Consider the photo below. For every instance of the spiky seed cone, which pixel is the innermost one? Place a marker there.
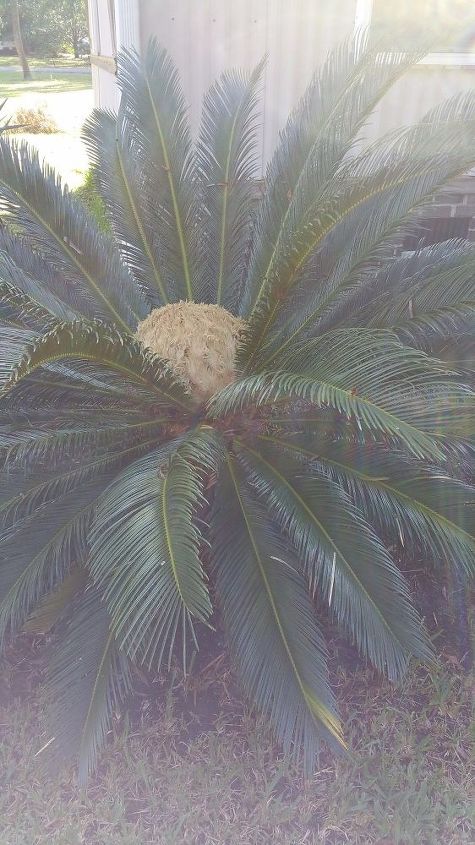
(199, 341)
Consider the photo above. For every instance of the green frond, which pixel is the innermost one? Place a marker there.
(56, 395)
(24, 446)
(52, 607)
(342, 557)
(443, 271)
(154, 108)
(436, 301)
(419, 505)
(270, 621)
(88, 680)
(14, 340)
(26, 490)
(28, 270)
(25, 301)
(36, 557)
(16, 246)
(226, 163)
(107, 348)
(386, 292)
(430, 330)
(404, 381)
(318, 135)
(145, 546)
(82, 383)
(47, 501)
(134, 218)
(414, 420)
(58, 225)
(21, 315)
(372, 198)
(459, 352)
(345, 434)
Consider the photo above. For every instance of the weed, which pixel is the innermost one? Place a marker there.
(35, 121)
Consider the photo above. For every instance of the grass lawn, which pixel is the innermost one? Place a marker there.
(168, 777)
(65, 96)
(59, 61)
(43, 82)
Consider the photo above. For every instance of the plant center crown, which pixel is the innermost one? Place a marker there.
(199, 342)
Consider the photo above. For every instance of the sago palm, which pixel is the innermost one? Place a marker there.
(235, 409)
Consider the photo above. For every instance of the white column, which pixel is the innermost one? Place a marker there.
(127, 24)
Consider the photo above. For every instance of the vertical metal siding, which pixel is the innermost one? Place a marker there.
(207, 36)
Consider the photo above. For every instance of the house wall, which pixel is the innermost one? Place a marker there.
(417, 91)
(207, 36)
(103, 46)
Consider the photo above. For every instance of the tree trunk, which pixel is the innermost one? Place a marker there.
(75, 42)
(17, 37)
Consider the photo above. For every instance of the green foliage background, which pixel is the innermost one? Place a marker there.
(48, 26)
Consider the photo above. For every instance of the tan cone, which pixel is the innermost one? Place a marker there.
(199, 341)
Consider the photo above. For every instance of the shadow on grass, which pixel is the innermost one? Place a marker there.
(12, 84)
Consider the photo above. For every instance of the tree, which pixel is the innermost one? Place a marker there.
(229, 406)
(75, 23)
(18, 39)
(48, 26)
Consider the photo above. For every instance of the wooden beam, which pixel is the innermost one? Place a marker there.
(108, 63)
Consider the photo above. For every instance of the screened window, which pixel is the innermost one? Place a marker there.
(450, 22)
(453, 21)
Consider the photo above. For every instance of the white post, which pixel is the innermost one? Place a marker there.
(127, 24)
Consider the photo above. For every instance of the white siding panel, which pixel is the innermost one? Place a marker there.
(102, 44)
(106, 92)
(207, 36)
(127, 26)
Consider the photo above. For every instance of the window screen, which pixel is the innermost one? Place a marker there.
(453, 21)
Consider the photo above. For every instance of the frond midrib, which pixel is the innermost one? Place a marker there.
(138, 223)
(324, 715)
(380, 482)
(329, 539)
(222, 246)
(105, 654)
(70, 253)
(171, 184)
